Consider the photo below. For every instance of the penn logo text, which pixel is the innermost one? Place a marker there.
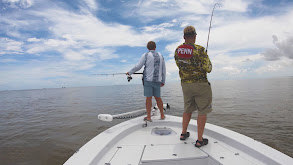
(185, 51)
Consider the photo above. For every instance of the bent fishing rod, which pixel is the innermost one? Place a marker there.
(211, 25)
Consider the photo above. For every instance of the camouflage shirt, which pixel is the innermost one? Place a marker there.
(193, 63)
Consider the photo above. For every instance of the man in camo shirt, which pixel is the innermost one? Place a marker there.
(194, 64)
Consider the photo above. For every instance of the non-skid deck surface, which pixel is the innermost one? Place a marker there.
(147, 148)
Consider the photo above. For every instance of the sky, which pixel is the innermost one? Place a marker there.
(64, 43)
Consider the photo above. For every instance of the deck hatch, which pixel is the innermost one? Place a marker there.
(163, 131)
(125, 155)
(173, 154)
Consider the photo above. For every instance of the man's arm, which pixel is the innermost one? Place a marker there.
(206, 64)
(139, 65)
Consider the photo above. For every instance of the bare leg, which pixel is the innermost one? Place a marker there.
(201, 121)
(148, 105)
(160, 105)
(185, 122)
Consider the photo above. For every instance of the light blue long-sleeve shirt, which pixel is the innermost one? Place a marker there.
(155, 69)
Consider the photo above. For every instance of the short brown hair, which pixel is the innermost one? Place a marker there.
(151, 45)
(189, 31)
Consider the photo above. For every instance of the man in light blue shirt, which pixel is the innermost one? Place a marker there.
(154, 76)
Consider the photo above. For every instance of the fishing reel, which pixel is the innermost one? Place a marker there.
(129, 78)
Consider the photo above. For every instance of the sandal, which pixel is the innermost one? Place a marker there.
(146, 119)
(201, 143)
(184, 136)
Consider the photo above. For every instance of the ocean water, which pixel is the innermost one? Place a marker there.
(46, 126)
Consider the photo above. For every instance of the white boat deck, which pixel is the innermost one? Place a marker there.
(129, 143)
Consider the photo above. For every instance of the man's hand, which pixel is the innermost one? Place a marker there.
(162, 84)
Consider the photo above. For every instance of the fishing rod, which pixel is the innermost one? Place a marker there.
(107, 74)
(129, 77)
(211, 25)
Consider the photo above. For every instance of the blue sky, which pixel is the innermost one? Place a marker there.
(55, 43)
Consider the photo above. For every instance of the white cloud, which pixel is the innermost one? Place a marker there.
(89, 30)
(284, 65)
(232, 70)
(33, 39)
(231, 40)
(282, 48)
(91, 4)
(31, 75)
(42, 45)
(172, 47)
(159, 27)
(81, 41)
(88, 6)
(9, 46)
(184, 24)
(18, 3)
(154, 9)
(171, 66)
(35, 49)
(230, 31)
(137, 6)
(246, 34)
(226, 66)
(75, 56)
(235, 5)
(58, 43)
(229, 59)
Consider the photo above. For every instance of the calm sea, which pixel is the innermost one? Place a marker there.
(47, 126)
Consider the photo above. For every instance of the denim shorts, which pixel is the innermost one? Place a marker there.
(152, 89)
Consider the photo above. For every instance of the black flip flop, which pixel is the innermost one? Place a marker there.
(184, 136)
(201, 143)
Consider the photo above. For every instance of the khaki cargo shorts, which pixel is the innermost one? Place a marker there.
(197, 96)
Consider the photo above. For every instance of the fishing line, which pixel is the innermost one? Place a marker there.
(216, 4)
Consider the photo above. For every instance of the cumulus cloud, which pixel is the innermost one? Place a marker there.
(18, 3)
(88, 30)
(155, 9)
(68, 37)
(88, 6)
(283, 65)
(37, 46)
(235, 5)
(137, 6)
(9, 46)
(159, 27)
(71, 34)
(33, 39)
(282, 48)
